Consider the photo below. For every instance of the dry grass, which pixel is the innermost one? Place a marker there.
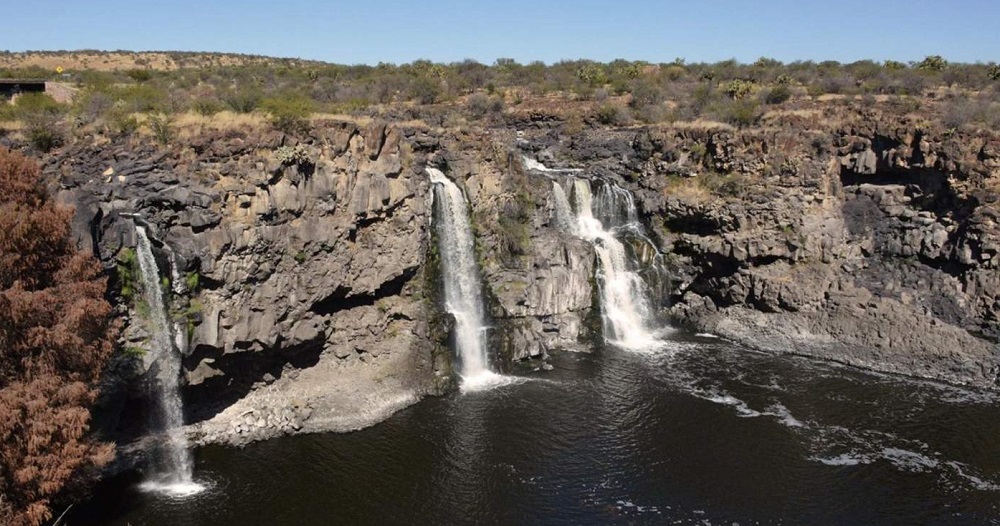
(698, 124)
(191, 124)
(340, 117)
(687, 189)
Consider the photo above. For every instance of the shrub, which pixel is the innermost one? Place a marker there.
(425, 90)
(139, 75)
(162, 127)
(611, 114)
(207, 106)
(477, 104)
(56, 335)
(778, 94)
(142, 98)
(44, 137)
(121, 122)
(31, 104)
(289, 114)
(40, 115)
(242, 100)
(742, 112)
(645, 93)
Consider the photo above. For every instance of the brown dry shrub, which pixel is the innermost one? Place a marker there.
(56, 335)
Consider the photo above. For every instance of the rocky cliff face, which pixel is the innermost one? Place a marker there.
(299, 266)
(871, 240)
(303, 270)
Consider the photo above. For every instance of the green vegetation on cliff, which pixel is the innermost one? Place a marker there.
(147, 91)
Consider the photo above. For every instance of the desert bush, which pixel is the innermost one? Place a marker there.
(477, 104)
(142, 98)
(139, 75)
(40, 115)
(645, 92)
(122, 122)
(778, 94)
(243, 100)
(207, 106)
(162, 127)
(43, 136)
(30, 104)
(425, 90)
(289, 114)
(611, 114)
(92, 105)
(739, 112)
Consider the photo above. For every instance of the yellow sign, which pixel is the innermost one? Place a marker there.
(59, 69)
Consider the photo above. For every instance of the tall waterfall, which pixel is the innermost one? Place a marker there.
(176, 466)
(626, 310)
(462, 284)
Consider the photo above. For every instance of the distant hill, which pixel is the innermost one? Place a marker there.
(128, 60)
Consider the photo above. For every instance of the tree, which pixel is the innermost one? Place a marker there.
(56, 336)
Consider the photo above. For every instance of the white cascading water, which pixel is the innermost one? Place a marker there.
(565, 220)
(626, 310)
(176, 469)
(535, 166)
(462, 284)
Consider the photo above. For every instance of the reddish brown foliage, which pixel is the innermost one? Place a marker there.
(55, 337)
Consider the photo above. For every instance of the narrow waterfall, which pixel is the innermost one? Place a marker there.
(563, 211)
(462, 284)
(626, 310)
(176, 465)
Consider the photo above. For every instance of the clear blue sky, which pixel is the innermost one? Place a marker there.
(400, 31)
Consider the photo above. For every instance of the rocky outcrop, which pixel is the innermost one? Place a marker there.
(299, 268)
(538, 276)
(304, 269)
(872, 242)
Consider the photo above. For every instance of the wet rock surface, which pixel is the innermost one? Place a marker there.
(870, 241)
(311, 299)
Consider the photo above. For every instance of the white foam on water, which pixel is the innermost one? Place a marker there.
(977, 482)
(783, 415)
(907, 460)
(845, 459)
(173, 489)
(741, 407)
(487, 380)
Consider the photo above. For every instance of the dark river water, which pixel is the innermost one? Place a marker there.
(701, 432)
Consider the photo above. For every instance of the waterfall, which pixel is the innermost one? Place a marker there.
(627, 312)
(176, 465)
(563, 211)
(462, 284)
(533, 165)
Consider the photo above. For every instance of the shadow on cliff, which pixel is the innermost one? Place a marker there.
(234, 375)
